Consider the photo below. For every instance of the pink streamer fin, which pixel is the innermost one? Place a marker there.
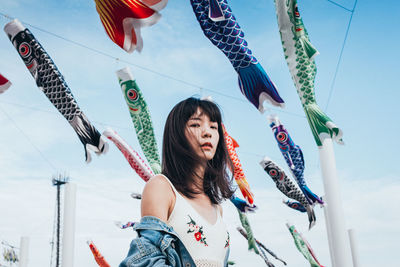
(133, 158)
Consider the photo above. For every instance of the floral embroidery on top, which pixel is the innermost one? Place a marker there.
(197, 230)
(227, 240)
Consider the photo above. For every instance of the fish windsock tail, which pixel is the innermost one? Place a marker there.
(215, 12)
(89, 136)
(4, 84)
(308, 48)
(321, 125)
(245, 189)
(247, 194)
(311, 216)
(122, 21)
(257, 87)
(311, 196)
(101, 148)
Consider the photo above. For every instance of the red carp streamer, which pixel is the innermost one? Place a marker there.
(122, 20)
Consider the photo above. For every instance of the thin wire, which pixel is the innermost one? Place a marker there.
(345, 8)
(105, 54)
(148, 69)
(56, 113)
(106, 124)
(340, 57)
(200, 88)
(27, 138)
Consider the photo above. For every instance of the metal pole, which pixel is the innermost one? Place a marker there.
(337, 238)
(354, 248)
(23, 251)
(58, 180)
(69, 225)
(58, 225)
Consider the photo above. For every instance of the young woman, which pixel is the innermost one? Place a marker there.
(181, 221)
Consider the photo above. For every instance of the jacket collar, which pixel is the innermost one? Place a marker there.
(153, 223)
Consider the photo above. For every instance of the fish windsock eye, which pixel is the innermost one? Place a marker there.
(296, 11)
(24, 50)
(282, 137)
(273, 172)
(132, 94)
(295, 206)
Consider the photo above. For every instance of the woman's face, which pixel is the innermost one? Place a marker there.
(202, 134)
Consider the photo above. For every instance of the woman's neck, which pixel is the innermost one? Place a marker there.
(198, 178)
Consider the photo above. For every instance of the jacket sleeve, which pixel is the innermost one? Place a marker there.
(145, 252)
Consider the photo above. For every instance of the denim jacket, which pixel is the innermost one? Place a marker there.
(158, 245)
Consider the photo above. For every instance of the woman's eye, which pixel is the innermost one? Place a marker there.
(214, 125)
(194, 125)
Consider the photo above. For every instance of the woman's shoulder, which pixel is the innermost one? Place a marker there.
(157, 197)
(158, 184)
(158, 180)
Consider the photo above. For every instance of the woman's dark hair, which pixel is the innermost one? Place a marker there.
(179, 160)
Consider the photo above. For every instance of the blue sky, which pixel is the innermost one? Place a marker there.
(36, 141)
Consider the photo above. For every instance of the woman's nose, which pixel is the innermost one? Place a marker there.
(206, 132)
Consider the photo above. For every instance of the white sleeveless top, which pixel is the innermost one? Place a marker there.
(207, 243)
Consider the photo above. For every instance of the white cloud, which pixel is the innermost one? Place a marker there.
(27, 208)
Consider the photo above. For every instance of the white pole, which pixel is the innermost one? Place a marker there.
(69, 225)
(354, 248)
(23, 251)
(329, 234)
(337, 234)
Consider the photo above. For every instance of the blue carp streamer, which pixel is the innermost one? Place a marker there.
(295, 205)
(221, 28)
(242, 205)
(294, 158)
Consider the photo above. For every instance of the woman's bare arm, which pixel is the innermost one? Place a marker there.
(157, 198)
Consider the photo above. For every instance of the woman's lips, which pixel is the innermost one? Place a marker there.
(207, 146)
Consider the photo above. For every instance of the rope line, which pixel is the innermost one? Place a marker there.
(336, 4)
(27, 138)
(57, 114)
(200, 88)
(340, 57)
(147, 69)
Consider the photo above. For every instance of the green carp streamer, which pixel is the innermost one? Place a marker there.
(299, 55)
(250, 237)
(301, 246)
(140, 117)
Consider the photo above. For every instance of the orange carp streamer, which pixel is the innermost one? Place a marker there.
(97, 255)
(122, 20)
(238, 172)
